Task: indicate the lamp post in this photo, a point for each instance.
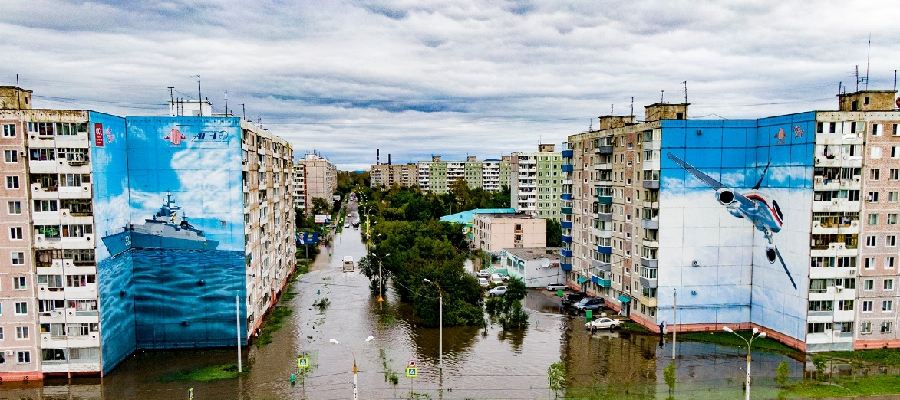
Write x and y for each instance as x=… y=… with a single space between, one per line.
x=756 y=334
x=368 y=339
x=440 y=325
x=381 y=280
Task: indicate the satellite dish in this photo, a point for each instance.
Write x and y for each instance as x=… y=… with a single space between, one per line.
x=545 y=262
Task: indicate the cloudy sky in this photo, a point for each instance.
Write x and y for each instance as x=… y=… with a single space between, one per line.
x=445 y=77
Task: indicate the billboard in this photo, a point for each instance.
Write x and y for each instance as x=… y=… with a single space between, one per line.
x=172 y=244
x=307 y=238
x=323 y=219
x=735 y=210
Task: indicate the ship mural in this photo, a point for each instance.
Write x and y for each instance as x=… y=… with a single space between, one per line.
x=168 y=229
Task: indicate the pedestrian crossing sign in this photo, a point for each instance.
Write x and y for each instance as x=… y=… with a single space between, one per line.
x=412 y=372
x=302 y=362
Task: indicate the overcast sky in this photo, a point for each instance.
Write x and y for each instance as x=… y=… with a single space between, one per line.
x=445 y=77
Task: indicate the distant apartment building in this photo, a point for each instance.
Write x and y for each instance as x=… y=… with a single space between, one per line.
x=387 y=175
x=107 y=221
x=495 y=232
x=314 y=177
x=536 y=182
x=436 y=176
x=785 y=223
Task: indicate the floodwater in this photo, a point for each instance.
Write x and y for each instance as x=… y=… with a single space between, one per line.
x=477 y=363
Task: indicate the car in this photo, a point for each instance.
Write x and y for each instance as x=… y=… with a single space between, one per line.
x=557 y=286
x=483 y=274
x=570 y=299
x=602 y=323
x=496 y=279
x=497 y=291
x=483 y=282
x=590 y=304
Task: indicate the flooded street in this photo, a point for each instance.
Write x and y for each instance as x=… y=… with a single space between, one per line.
x=478 y=363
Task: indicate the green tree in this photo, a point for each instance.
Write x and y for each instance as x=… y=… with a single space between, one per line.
x=820 y=362
x=669 y=375
x=320 y=206
x=556 y=374
x=554 y=233
x=781 y=373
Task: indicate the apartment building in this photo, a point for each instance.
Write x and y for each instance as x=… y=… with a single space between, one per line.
x=750 y=223
x=536 y=182
x=495 y=232
x=495 y=173
x=387 y=175
x=436 y=176
x=315 y=177
x=108 y=220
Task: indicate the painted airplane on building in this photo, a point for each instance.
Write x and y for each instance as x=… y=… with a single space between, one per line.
x=763 y=212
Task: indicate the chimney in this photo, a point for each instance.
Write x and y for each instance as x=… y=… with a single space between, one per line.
x=389 y=158
x=377 y=156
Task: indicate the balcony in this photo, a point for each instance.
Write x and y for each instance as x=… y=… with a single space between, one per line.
x=565 y=253
x=567 y=153
x=647 y=301
x=602 y=166
x=604 y=249
x=823 y=183
x=601 y=282
x=566 y=196
x=650 y=242
x=826 y=227
x=604 y=217
x=566 y=210
x=567 y=182
x=601 y=266
x=605 y=150
x=649 y=263
x=650 y=223
x=567 y=168
x=566 y=239
x=649 y=283
x=565 y=267
x=604 y=200
x=651 y=184
x=566 y=224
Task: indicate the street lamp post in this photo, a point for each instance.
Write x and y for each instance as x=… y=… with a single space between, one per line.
x=756 y=334
x=440 y=324
x=381 y=280
x=355 y=392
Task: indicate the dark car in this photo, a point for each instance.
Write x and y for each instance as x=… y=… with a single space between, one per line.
x=590 y=303
x=570 y=299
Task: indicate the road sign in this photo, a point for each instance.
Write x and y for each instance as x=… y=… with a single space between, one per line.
x=192 y=393
x=412 y=372
x=302 y=362
x=411 y=364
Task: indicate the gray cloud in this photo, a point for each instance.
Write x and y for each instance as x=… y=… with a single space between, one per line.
x=452 y=77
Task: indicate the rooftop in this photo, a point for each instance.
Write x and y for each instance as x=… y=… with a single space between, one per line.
x=535 y=253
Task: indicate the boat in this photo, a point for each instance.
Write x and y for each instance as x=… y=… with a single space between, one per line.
x=168 y=229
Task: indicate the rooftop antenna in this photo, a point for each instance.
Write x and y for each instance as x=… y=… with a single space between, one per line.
x=612 y=107
x=244 y=111
x=856 y=74
x=662 y=96
x=17 y=86
x=685 y=92
x=590 y=125
x=895 y=80
x=632 y=106
x=199 y=97
x=226 y=103
x=840 y=83
x=868 y=57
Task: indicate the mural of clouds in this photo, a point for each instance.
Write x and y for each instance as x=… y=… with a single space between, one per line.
x=418 y=78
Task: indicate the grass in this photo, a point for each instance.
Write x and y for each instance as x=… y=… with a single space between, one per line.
x=860 y=386
x=273 y=323
x=629 y=326
x=730 y=340
x=889 y=357
x=205 y=374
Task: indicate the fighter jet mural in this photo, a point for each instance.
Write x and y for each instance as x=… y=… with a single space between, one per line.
x=763 y=212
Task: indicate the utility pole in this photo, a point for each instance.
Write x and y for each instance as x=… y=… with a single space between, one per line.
x=674 y=319
x=199 y=97
x=237 y=322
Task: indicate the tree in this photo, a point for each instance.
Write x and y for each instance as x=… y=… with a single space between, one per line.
x=556 y=374
x=320 y=206
x=669 y=375
x=554 y=233
x=781 y=373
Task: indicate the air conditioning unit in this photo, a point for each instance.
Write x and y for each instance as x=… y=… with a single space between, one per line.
x=852 y=272
x=839 y=289
x=56 y=313
x=10 y=353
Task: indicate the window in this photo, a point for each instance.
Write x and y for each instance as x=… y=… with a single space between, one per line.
x=832 y=127
x=871 y=241
x=869 y=263
x=868 y=284
x=9 y=130
x=845 y=305
x=873 y=197
x=17 y=258
x=1 y=336
x=892 y=197
x=14 y=207
x=865 y=327
x=885 y=327
x=24 y=357
x=45 y=205
x=894 y=130
x=877 y=129
x=21 y=332
x=15 y=233
x=80 y=280
x=867 y=306
x=873 y=219
x=892 y=219
x=888 y=284
x=895 y=151
x=21 y=308
x=875 y=152
x=890 y=240
x=887 y=305
x=19 y=283
x=12 y=182
x=10 y=156
x=889 y=262
x=874 y=174
x=894 y=174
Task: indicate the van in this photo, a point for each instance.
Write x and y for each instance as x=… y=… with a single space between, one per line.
x=496 y=279
x=348 y=264
x=483 y=282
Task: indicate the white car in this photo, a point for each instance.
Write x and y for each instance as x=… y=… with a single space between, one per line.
x=497 y=291
x=602 y=323
x=483 y=274
x=557 y=286
x=496 y=279
x=483 y=282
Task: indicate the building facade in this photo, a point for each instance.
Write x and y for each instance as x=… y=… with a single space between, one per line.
x=536 y=267
x=110 y=220
x=495 y=232
x=750 y=223
x=536 y=182
x=437 y=176
x=387 y=175
x=315 y=177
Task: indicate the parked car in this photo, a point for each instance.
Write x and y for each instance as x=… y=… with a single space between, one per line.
x=483 y=274
x=496 y=279
x=557 y=286
x=483 y=282
x=497 y=291
x=590 y=303
x=602 y=323
x=571 y=299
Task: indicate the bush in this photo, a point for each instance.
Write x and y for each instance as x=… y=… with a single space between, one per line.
x=781 y=373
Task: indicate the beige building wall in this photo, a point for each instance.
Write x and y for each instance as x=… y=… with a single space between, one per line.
x=319 y=179
x=494 y=232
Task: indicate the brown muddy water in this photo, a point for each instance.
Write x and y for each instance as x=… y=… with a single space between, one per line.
x=478 y=363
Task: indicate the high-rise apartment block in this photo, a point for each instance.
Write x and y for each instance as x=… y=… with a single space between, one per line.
x=437 y=176
x=536 y=182
x=314 y=177
x=135 y=233
x=387 y=175
x=785 y=223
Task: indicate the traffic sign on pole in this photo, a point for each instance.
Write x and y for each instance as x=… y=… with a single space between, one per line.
x=302 y=362
x=412 y=372
x=411 y=363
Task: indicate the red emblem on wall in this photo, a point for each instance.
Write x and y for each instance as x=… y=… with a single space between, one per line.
x=98 y=135
x=174 y=137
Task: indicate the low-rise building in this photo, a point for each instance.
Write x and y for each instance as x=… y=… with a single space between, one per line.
x=495 y=232
x=536 y=266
